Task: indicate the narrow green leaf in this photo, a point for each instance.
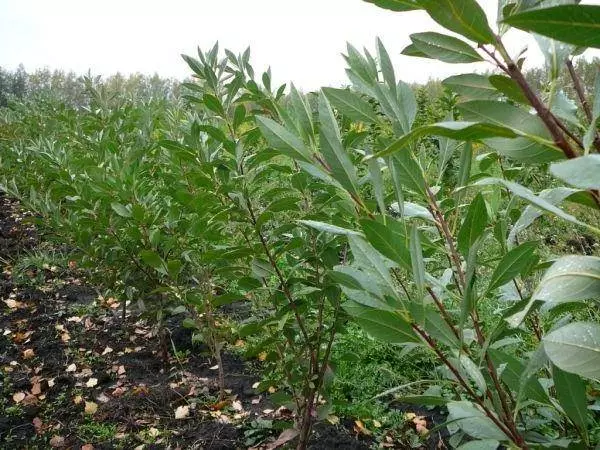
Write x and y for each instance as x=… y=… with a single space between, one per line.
x=303 y=114
x=570 y=392
x=213 y=104
x=341 y=166
x=473 y=371
x=514 y=376
x=526 y=194
x=328 y=228
x=509 y=88
x=377 y=182
x=389 y=239
x=513 y=264
x=573 y=24
x=387 y=326
x=437 y=327
x=120 y=209
x=553 y=196
x=417 y=263
x=575 y=348
x=445 y=48
x=282 y=140
x=473 y=421
x=409 y=172
x=351 y=104
x=412 y=50
x=464 y=131
x=387 y=69
x=153 y=260
x=473 y=225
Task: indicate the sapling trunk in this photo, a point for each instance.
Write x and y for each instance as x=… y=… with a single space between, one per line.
x=307 y=420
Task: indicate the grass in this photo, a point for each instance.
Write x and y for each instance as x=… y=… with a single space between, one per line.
x=365 y=368
x=96 y=431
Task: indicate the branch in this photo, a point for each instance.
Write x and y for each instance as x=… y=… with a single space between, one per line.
x=581 y=95
x=543 y=112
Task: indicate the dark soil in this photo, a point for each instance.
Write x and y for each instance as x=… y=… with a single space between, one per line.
x=72 y=373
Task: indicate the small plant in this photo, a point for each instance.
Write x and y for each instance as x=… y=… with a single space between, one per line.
x=96 y=432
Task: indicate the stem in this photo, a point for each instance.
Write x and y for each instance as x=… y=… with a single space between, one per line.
x=443 y=312
x=543 y=112
x=579 y=89
x=447 y=235
x=582 y=98
x=307 y=420
x=282 y=281
x=433 y=345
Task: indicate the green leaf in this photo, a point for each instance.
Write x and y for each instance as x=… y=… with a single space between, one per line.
x=412 y=50
x=464 y=17
x=473 y=371
x=282 y=140
x=526 y=194
x=553 y=196
x=509 y=88
x=573 y=24
x=389 y=239
x=417 y=263
x=328 y=228
x=483 y=444
x=464 y=131
x=473 y=421
x=473 y=225
x=120 y=209
x=303 y=114
x=341 y=166
x=387 y=69
x=410 y=209
x=213 y=104
x=513 y=375
x=437 y=327
x=445 y=48
x=535 y=144
x=351 y=104
x=464 y=170
x=398 y=104
x=471 y=86
x=377 y=182
x=570 y=278
x=366 y=257
x=447 y=147
x=153 y=260
x=395 y=5
x=582 y=172
x=570 y=392
x=194 y=64
x=513 y=264
x=409 y=172
x=387 y=326
x=575 y=348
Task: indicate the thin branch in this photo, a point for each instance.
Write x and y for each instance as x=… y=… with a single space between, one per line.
x=582 y=98
x=543 y=112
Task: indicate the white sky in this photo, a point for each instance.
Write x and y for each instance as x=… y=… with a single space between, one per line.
x=301 y=39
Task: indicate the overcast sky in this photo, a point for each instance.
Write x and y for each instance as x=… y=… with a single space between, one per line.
x=301 y=39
